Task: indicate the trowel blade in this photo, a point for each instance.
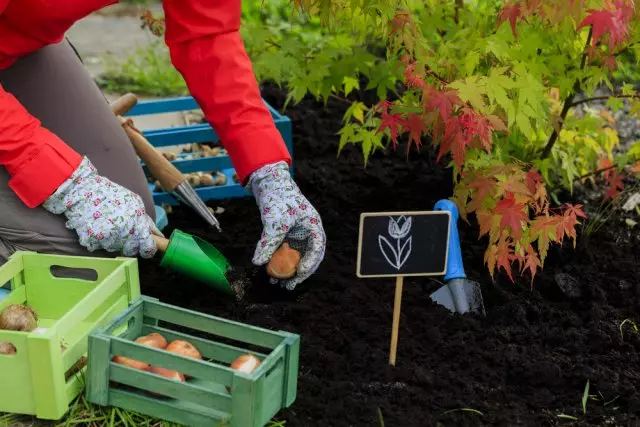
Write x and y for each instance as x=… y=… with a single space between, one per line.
x=460 y=296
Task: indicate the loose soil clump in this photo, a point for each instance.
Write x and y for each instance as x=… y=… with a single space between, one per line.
x=526 y=363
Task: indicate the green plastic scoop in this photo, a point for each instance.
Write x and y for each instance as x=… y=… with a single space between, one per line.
x=195 y=258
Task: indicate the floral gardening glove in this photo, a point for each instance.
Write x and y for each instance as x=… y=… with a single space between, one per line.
x=104 y=214
x=286 y=214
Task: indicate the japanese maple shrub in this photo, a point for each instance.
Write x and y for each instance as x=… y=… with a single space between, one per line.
x=492 y=85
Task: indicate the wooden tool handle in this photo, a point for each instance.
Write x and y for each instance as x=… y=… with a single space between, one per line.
x=124 y=104
x=161 y=169
x=396 y=321
x=161 y=243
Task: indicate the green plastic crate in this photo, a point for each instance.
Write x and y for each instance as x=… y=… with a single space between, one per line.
x=33 y=380
x=203 y=400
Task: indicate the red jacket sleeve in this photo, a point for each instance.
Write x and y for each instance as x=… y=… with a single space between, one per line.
x=206 y=48
x=37 y=160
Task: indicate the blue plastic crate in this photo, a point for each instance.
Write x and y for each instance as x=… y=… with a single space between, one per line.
x=199 y=133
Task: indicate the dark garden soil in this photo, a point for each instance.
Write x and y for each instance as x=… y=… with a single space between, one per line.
x=526 y=363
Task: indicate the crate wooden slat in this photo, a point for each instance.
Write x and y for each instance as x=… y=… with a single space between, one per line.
x=213 y=392
x=199 y=133
x=34 y=380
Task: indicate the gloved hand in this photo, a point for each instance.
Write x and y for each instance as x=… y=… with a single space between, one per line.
x=105 y=215
x=286 y=213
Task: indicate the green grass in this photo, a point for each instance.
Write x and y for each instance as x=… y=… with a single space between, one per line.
x=148 y=71
x=83 y=413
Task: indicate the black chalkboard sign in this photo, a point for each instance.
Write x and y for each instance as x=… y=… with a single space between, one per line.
x=395 y=244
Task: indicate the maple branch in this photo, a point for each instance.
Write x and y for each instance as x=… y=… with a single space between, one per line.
x=608 y=168
x=624 y=50
x=459 y=5
x=433 y=74
x=602 y=98
x=568 y=102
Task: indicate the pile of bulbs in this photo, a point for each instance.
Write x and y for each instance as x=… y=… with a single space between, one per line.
x=246 y=363
x=16 y=317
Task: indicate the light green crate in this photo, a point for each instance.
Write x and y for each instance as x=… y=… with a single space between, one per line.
x=203 y=400
x=33 y=380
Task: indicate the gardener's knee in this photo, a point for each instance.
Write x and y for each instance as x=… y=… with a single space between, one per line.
x=12 y=241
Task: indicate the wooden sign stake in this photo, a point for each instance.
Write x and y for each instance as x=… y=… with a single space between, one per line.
x=396 y=320
x=399 y=245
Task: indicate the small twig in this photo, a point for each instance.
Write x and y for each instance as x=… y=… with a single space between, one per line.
x=567 y=103
x=459 y=5
x=437 y=77
x=602 y=98
x=624 y=50
x=599 y=171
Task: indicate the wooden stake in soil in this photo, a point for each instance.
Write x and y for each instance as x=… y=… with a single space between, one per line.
x=396 y=320
x=399 y=244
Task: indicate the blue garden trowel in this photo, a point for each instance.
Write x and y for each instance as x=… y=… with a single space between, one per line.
x=459 y=294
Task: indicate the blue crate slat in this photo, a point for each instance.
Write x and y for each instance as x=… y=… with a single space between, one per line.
x=180 y=135
x=230 y=190
x=171 y=105
x=161 y=217
x=199 y=133
x=202 y=133
x=205 y=164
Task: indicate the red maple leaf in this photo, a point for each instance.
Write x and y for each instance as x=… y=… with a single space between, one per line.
x=612 y=22
x=485 y=187
x=453 y=141
x=477 y=129
x=567 y=226
x=411 y=77
x=442 y=101
x=513 y=213
x=485 y=221
x=416 y=125
x=531 y=262
x=536 y=187
x=544 y=231
x=383 y=106
x=611 y=63
x=394 y=122
x=612 y=177
x=400 y=21
x=468 y=128
x=511 y=12
x=614 y=185
x=533 y=180
x=504 y=256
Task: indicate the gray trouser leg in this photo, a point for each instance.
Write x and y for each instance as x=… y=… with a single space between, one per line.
x=53 y=85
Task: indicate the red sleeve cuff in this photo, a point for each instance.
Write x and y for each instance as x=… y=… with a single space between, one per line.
x=249 y=152
x=45 y=170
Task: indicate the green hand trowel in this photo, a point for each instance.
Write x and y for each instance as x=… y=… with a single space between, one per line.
x=195 y=258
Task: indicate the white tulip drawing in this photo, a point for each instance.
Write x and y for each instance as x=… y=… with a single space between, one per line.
x=398 y=254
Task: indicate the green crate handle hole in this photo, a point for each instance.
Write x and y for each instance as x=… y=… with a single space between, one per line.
x=64 y=272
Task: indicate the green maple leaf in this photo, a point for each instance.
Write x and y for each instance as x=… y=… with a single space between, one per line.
x=524 y=123
x=356 y=110
x=347 y=136
x=628 y=89
x=350 y=84
x=635 y=108
x=471 y=61
x=498 y=46
x=472 y=90
x=497 y=85
x=616 y=104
